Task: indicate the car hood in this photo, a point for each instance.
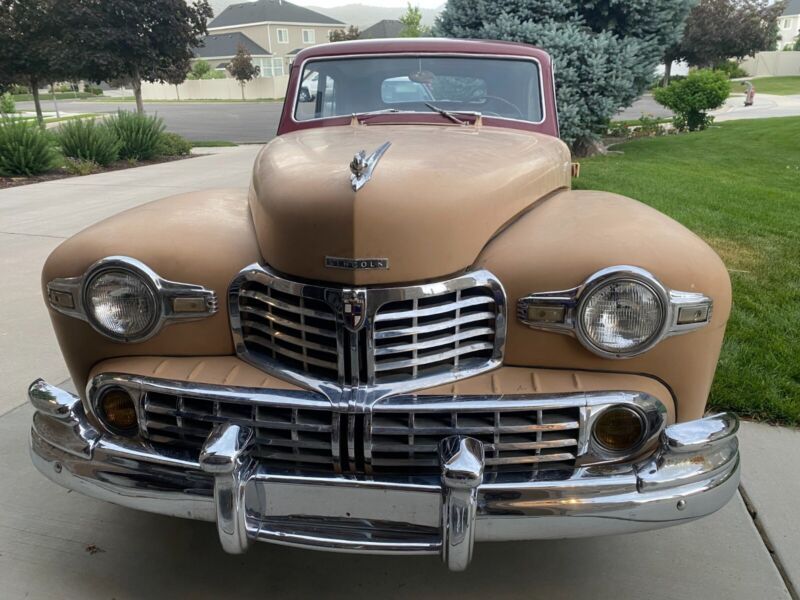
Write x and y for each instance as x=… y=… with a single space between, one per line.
x=436 y=197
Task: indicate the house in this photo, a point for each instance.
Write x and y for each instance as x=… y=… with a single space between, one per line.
x=387 y=28
x=272 y=30
x=789 y=24
x=219 y=49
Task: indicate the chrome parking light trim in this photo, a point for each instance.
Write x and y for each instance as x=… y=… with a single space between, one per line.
x=174 y=301
x=559 y=311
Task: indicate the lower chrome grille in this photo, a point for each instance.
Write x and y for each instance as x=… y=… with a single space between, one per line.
x=517 y=436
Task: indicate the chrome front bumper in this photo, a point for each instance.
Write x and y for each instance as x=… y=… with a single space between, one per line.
x=694 y=472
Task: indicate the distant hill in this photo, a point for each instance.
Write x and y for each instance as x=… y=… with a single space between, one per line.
x=360 y=15
x=364 y=15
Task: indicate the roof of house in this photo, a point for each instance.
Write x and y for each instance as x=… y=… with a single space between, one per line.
x=792 y=8
x=272 y=11
x=388 y=28
x=227 y=44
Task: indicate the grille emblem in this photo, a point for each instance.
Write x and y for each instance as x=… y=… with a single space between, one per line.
x=354 y=305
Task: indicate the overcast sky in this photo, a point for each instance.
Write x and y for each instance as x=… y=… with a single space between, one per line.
x=384 y=3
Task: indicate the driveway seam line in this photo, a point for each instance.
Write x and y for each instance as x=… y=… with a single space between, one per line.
x=41 y=235
x=776 y=559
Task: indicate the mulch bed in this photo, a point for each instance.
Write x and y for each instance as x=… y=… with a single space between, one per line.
x=9 y=182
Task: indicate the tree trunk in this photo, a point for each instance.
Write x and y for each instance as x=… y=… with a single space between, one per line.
x=36 y=100
x=242 y=84
x=178 y=92
x=137 y=92
x=667 y=72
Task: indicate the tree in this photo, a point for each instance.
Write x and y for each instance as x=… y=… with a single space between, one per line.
x=136 y=41
x=242 y=68
x=691 y=98
x=605 y=51
x=412 y=23
x=31 y=45
x=340 y=35
x=717 y=30
x=200 y=69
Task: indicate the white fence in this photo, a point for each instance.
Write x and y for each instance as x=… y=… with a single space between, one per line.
x=773 y=64
x=218 y=89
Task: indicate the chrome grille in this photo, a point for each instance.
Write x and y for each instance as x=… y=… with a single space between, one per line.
x=385 y=441
x=299 y=438
x=513 y=439
x=430 y=334
x=295 y=330
x=380 y=341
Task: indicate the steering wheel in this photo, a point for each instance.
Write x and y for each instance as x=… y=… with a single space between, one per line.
x=511 y=105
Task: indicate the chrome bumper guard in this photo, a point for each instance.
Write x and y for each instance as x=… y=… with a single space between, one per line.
x=694 y=472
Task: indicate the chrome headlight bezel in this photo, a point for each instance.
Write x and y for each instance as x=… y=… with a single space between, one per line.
x=599 y=281
x=173 y=301
x=151 y=297
x=561 y=311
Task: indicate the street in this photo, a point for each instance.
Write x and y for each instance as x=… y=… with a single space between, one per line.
x=240 y=122
x=57 y=544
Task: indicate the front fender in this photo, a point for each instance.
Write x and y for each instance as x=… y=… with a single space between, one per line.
x=203 y=238
x=571 y=235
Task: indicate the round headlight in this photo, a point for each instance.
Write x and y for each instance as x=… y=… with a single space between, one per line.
x=619 y=429
x=121 y=304
x=621 y=317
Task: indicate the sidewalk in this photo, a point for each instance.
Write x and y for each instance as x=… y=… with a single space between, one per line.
x=57 y=544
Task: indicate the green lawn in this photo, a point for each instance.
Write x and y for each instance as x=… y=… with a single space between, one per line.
x=49 y=96
x=782 y=86
x=738 y=186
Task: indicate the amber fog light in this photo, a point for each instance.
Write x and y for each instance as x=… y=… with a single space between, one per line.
x=619 y=429
x=117 y=411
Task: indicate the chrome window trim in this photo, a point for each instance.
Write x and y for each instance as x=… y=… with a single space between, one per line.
x=426 y=54
x=573 y=300
x=165 y=293
x=366 y=392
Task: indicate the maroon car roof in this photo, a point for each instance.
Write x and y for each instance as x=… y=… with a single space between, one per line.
x=385 y=46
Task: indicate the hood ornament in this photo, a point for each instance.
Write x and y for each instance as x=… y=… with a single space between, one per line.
x=362 y=166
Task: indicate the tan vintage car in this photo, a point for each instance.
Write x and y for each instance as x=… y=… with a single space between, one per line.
x=408 y=335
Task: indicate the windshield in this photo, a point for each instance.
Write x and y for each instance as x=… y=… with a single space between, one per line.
x=493 y=87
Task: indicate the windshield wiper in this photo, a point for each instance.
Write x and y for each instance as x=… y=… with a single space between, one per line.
x=371 y=113
x=445 y=113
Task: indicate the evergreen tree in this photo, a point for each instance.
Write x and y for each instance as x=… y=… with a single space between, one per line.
x=605 y=51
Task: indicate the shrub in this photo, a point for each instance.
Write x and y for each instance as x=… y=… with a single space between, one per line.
x=173 y=144
x=7 y=105
x=89 y=141
x=25 y=148
x=19 y=90
x=80 y=167
x=732 y=69
x=202 y=70
x=94 y=90
x=139 y=135
x=691 y=98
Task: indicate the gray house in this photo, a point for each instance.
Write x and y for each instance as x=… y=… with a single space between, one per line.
x=272 y=31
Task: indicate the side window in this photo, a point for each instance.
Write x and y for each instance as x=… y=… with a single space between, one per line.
x=316 y=97
x=308 y=36
x=283 y=36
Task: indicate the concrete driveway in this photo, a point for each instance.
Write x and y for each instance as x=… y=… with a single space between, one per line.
x=57 y=544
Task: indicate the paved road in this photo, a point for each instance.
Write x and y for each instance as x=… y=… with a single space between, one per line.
x=246 y=122
x=45 y=530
